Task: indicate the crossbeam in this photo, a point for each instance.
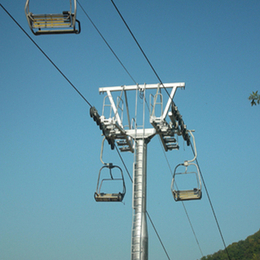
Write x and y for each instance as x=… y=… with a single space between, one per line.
x=142 y=87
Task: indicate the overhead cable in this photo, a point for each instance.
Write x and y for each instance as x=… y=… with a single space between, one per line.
x=103 y=38
x=141 y=49
x=49 y=59
x=211 y=205
x=136 y=41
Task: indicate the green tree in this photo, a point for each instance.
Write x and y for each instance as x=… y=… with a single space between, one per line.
x=255 y=98
x=248 y=249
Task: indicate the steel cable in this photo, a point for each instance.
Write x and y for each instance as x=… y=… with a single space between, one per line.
x=211 y=205
x=49 y=59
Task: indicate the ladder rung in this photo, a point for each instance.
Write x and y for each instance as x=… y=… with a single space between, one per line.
x=125 y=149
x=169 y=140
x=172 y=146
x=121 y=142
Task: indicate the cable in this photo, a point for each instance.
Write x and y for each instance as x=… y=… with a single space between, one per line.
x=57 y=68
x=108 y=45
x=124 y=164
x=157 y=235
x=106 y=42
x=156 y=74
x=136 y=42
x=103 y=38
x=193 y=231
x=211 y=205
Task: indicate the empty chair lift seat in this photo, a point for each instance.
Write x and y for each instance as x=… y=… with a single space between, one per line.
x=52 y=23
x=106 y=170
x=194 y=194
x=117 y=197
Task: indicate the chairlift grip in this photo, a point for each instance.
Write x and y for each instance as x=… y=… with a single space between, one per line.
x=79 y=27
x=195 y=150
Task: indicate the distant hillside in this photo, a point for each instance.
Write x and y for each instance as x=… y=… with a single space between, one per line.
x=248 y=249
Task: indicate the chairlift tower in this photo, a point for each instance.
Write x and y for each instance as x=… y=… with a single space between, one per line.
x=133 y=139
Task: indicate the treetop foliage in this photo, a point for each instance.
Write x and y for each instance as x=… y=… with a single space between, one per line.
x=255 y=98
x=248 y=249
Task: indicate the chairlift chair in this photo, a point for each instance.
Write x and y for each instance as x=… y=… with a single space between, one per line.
x=53 y=23
x=189 y=166
x=108 y=178
x=106 y=197
x=191 y=194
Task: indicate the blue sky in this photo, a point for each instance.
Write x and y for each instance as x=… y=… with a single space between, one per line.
x=50 y=146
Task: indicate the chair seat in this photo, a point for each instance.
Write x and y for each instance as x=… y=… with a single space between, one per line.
x=194 y=194
x=109 y=196
x=51 y=21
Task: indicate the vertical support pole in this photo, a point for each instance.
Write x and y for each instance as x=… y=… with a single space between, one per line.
x=139 y=226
